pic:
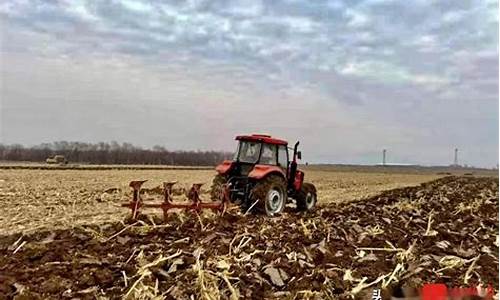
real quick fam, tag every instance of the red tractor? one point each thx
(261, 177)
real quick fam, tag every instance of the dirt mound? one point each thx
(442, 231)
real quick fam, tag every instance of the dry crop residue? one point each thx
(441, 231)
(37, 200)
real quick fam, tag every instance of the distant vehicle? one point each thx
(57, 159)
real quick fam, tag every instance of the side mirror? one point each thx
(299, 155)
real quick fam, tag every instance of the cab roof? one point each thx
(261, 138)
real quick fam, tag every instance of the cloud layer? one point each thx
(346, 77)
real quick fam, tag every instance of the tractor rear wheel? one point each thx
(217, 189)
(271, 195)
(307, 197)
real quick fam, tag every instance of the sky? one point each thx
(346, 78)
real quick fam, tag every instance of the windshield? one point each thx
(248, 152)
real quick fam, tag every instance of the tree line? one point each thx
(110, 153)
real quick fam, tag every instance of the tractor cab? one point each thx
(260, 160)
(260, 150)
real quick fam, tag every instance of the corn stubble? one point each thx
(444, 230)
(35, 200)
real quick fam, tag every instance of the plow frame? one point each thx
(196, 204)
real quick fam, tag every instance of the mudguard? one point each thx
(224, 167)
(261, 171)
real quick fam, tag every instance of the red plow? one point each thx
(195, 202)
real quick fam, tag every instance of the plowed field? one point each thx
(444, 230)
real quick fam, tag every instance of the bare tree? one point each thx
(110, 153)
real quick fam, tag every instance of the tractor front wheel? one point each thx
(307, 198)
(217, 189)
(271, 195)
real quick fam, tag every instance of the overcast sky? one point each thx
(347, 78)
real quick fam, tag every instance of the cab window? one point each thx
(283, 156)
(268, 156)
(248, 152)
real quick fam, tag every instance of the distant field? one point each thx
(44, 166)
(36, 195)
(393, 169)
(38, 198)
(396, 169)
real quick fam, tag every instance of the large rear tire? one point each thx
(307, 197)
(217, 189)
(271, 195)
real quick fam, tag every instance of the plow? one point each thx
(195, 204)
(261, 178)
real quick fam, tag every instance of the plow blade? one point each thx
(195, 202)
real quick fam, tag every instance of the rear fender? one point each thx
(224, 167)
(261, 171)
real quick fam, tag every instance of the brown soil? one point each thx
(321, 255)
